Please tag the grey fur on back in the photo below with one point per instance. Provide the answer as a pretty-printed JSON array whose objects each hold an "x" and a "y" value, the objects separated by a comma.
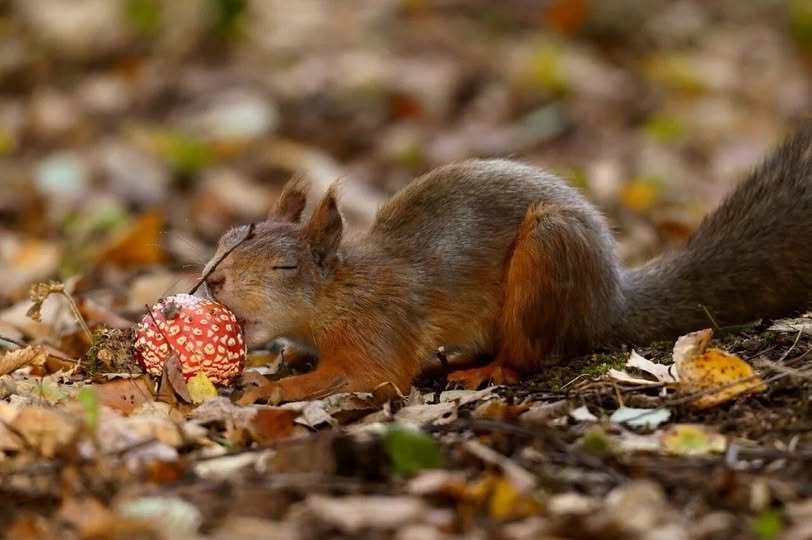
[{"x": 454, "y": 227}]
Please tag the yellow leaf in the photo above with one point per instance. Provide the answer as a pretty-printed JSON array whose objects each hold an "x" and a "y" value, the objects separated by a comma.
[
  {"x": 690, "y": 440},
  {"x": 714, "y": 369},
  {"x": 640, "y": 195},
  {"x": 507, "y": 503},
  {"x": 201, "y": 388}
]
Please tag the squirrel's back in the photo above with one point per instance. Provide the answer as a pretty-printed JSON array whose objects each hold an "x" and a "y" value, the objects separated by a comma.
[{"x": 455, "y": 228}]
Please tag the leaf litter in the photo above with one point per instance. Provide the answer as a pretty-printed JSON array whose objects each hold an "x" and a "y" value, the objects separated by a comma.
[{"x": 122, "y": 177}]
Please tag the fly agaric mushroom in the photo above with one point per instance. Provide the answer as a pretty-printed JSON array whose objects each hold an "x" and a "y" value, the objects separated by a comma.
[{"x": 204, "y": 334}]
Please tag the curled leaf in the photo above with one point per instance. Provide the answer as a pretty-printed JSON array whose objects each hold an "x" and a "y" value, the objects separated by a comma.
[
  {"x": 27, "y": 356},
  {"x": 716, "y": 369},
  {"x": 38, "y": 293}
]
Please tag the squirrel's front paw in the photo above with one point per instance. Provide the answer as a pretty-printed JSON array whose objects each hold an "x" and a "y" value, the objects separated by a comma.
[{"x": 267, "y": 391}]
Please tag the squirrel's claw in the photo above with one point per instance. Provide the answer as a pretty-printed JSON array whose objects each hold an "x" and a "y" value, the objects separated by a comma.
[
  {"x": 269, "y": 391},
  {"x": 494, "y": 372}
]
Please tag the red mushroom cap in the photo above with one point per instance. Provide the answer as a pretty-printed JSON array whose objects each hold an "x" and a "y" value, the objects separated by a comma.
[{"x": 204, "y": 334}]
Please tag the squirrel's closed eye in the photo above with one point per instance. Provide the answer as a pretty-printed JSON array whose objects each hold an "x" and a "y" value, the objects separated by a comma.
[{"x": 284, "y": 267}]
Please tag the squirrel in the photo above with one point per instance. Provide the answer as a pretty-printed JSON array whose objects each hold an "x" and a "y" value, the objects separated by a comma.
[{"x": 497, "y": 258}]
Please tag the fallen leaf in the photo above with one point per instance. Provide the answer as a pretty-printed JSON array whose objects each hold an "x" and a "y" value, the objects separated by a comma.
[
  {"x": 9, "y": 440},
  {"x": 583, "y": 414},
  {"x": 173, "y": 383},
  {"x": 27, "y": 356},
  {"x": 89, "y": 400},
  {"x": 793, "y": 326},
  {"x": 176, "y": 517},
  {"x": 351, "y": 514},
  {"x": 638, "y": 507},
  {"x": 47, "y": 431},
  {"x": 508, "y": 503},
  {"x": 622, "y": 376},
  {"x": 25, "y": 260},
  {"x": 124, "y": 395},
  {"x": 691, "y": 440},
  {"x": 40, "y": 292},
  {"x": 92, "y": 519},
  {"x": 643, "y": 418},
  {"x": 201, "y": 388},
  {"x": 628, "y": 441},
  {"x": 437, "y": 482},
  {"x": 523, "y": 481},
  {"x": 715, "y": 369},
  {"x": 271, "y": 424},
  {"x": 417, "y": 415},
  {"x": 690, "y": 345},
  {"x": 411, "y": 450},
  {"x": 662, "y": 373},
  {"x": 138, "y": 245},
  {"x": 640, "y": 194}
]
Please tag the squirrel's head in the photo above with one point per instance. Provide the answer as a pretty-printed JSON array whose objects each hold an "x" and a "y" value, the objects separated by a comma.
[{"x": 272, "y": 277}]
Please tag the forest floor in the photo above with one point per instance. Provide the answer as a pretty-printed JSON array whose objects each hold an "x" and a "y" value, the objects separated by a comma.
[{"x": 133, "y": 133}]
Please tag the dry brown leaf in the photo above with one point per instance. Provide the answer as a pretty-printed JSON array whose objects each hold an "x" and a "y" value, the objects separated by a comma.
[
  {"x": 271, "y": 424},
  {"x": 173, "y": 383},
  {"x": 138, "y": 245},
  {"x": 47, "y": 431},
  {"x": 40, "y": 292},
  {"x": 124, "y": 395},
  {"x": 714, "y": 369},
  {"x": 27, "y": 356},
  {"x": 29, "y": 260}
]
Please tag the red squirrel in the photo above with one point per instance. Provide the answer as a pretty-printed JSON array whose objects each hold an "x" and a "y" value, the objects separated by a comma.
[{"x": 494, "y": 257}]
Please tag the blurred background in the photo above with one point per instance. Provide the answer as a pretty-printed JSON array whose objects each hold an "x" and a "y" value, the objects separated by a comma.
[{"x": 134, "y": 132}]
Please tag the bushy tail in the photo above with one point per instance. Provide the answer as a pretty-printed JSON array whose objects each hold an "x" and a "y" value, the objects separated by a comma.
[{"x": 750, "y": 259}]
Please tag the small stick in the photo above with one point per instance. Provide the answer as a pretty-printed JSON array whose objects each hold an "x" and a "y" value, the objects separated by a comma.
[
  {"x": 78, "y": 314},
  {"x": 13, "y": 341},
  {"x": 712, "y": 320},
  {"x": 248, "y": 235}
]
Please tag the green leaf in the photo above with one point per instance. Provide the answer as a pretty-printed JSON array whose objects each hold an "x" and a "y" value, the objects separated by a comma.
[
  {"x": 144, "y": 17},
  {"x": 90, "y": 403},
  {"x": 768, "y": 525},
  {"x": 411, "y": 451}
]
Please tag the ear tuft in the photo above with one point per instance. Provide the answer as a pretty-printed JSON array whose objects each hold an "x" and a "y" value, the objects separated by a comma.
[
  {"x": 323, "y": 231},
  {"x": 291, "y": 202}
]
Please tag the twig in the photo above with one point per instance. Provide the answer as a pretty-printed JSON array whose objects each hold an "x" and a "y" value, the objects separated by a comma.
[
  {"x": 794, "y": 343},
  {"x": 248, "y": 235},
  {"x": 712, "y": 320},
  {"x": 13, "y": 341},
  {"x": 78, "y": 314}
]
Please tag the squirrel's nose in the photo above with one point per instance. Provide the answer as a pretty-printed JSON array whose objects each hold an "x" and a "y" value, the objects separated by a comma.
[{"x": 214, "y": 284}]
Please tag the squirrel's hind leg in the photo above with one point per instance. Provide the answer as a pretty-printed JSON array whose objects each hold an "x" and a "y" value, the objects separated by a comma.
[
  {"x": 527, "y": 327},
  {"x": 546, "y": 287}
]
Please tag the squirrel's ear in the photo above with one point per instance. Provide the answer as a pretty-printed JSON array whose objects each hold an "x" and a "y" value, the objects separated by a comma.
[
  {"x": 323, "y": 231},
  {"x": 291, "y": 203}
]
